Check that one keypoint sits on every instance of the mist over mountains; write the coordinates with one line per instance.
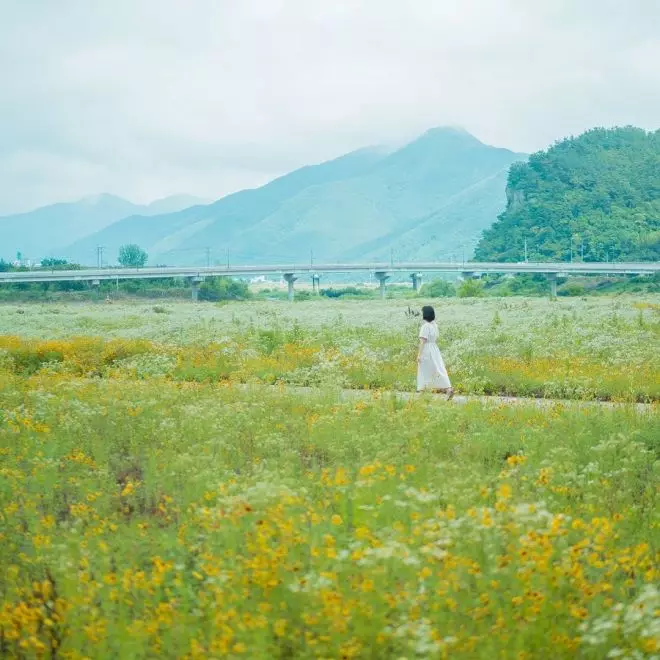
(49, 230)
(429, 199)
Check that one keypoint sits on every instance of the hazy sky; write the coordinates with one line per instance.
(146, 98)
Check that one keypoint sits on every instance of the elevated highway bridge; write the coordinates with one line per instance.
(292, 272)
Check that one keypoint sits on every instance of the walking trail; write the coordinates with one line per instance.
(354, 394)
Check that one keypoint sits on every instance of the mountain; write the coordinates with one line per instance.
(47, 230)
(598, 193)
(173, 203)
(175, 235)
(429, 199)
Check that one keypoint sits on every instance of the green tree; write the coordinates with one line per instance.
(132, 256)
(52, 263)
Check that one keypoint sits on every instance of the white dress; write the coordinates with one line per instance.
(431, 370)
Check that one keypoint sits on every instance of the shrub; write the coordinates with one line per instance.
(471, 289)
(438, 289)
(340, 293)
(572, 289)
(223, 288)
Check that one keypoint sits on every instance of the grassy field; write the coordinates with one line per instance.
(151, 508)
(576, 349)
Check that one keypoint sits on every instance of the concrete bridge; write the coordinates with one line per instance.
(292, 272)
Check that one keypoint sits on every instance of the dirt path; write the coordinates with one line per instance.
(459, 399)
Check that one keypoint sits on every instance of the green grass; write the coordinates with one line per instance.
(149, 507)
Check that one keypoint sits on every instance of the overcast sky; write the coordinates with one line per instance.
(146, 98)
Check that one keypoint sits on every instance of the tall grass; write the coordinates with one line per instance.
(153, 518)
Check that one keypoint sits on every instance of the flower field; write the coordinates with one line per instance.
(150, 507)
(574, 349)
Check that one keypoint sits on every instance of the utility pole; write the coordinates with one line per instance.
(99, 256)
(571, 249)
(525, 250)
(311, 257)
(582, 251)
(227, 258)
(391, 257)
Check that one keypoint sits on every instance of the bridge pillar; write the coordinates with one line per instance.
(416, 281)
(290, 278)
(467, 274)
(553, 284)
(195, 282)
(316, 283)
(96, 287)
(382, 278)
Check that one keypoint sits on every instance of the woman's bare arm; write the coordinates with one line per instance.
(422, 341)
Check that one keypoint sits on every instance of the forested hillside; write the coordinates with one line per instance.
(595, 196)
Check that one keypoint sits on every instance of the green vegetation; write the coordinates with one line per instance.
(471, 288)
(215, 289)
(132, 256)
(52, 263)
(595, 285)
(596, 196)
(84, 291)
(347, 291)
(438, 289)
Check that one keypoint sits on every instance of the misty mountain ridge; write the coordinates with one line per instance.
(429, 199)
(46, 231)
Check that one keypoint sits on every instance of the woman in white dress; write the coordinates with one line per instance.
(431, 370)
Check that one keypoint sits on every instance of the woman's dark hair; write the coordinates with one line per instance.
(428, 313)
